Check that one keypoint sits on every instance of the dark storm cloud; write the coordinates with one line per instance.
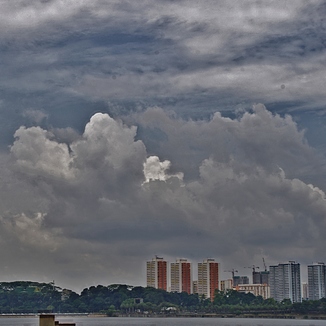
(102, 190)
(116, 52)
(260, 138)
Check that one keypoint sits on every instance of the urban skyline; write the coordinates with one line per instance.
(282, 281)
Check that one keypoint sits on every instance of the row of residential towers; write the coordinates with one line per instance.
(181, 276)
(282, 281)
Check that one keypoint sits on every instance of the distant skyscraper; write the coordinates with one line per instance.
(181, 276)
(157, 273)
(316, 281)
(208, 278)
(264, 277)
(240, 280)
(256, 279)
(260, 277)
(285, 282)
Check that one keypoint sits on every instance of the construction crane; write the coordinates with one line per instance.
(232, 271)
(253, 268)
(264, 264)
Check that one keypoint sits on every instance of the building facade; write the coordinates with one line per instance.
(316, 281)
(156, 273)
(285, 282)
(262, 290)
(208, 278)
(305, 295)
(195, 286)
(226, 285)
(240, 280)
(181, 276)
(260, 277)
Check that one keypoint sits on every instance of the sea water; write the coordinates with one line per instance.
(117, 321)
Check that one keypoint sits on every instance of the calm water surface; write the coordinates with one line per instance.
(89, 321)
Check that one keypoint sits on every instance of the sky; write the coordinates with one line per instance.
(184, 129)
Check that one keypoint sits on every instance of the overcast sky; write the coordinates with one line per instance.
(185, 129)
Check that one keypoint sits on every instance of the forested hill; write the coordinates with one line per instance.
(25, 286)
(117, 299)
(34, 297)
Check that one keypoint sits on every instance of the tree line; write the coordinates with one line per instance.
(118, 299)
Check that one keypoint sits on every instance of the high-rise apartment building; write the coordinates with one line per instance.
(316, 281)
(240, 280)
(285, 281)
(208, 278)
(156, 271)
(256, 277)
(260, 277)
(181, 276)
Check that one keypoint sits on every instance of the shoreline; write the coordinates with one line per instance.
(217, 316)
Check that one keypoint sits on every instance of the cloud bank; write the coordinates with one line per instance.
(96, 208)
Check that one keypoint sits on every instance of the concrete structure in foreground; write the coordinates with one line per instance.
(156, 273)
(285, 282)
(208, 278)
(46, 320)
(316, 281)
(49, 320)
(181, 276)
(262, 290)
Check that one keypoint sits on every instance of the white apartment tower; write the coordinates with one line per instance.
(285, 282)
(208, 278)
(156, 273)
(181, 276)
(316, 281)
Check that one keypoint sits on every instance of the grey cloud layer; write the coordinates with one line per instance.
(104, 199)
(258, 138)
(149, 53)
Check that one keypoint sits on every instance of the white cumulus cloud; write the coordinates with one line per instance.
(154, 169)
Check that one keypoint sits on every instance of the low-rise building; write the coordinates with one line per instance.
(262, 290)
(226, 285)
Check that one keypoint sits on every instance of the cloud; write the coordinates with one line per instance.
(35, 116)
(36, 154)
(83, 52)
(257, 137)
(103, 194)
(29, 232)
(108, 144)
(156, 170)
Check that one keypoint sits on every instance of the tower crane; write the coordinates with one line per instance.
(232, 271)
(264, 264)
(253, 268)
